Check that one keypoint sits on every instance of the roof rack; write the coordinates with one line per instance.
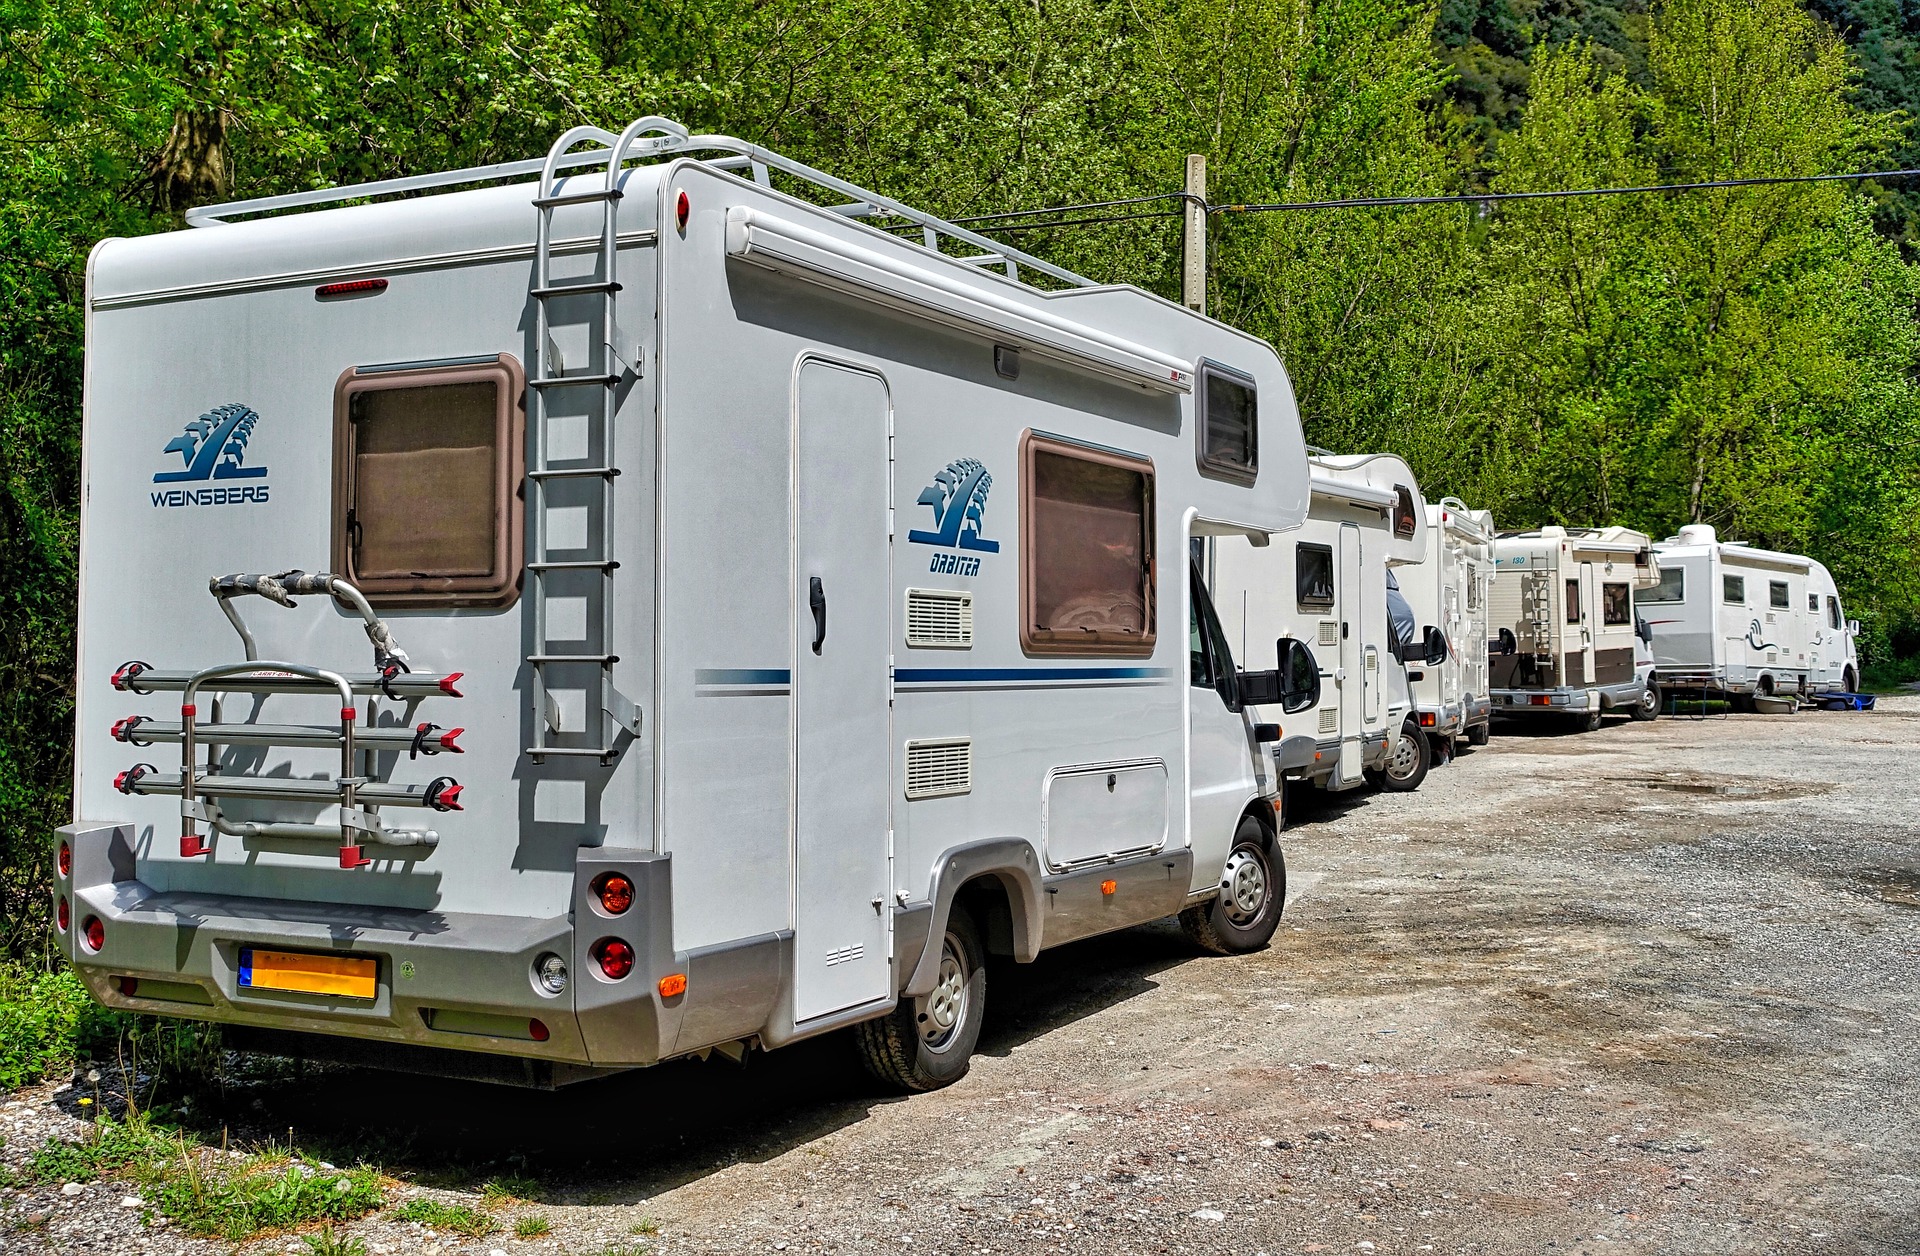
(659, 137)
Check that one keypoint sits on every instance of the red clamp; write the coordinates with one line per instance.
(124, 675)
(446, 684)
(123, 730)
(131, 777)
(443, 794)
(352, 857)
(425, 742)
(192, 846)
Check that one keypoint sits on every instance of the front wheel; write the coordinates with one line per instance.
(927, 1042)
(1407, 766)
(1648, 706)
(1480, 734)
(1253, 893)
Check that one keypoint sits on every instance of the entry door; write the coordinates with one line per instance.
(842, 690)
(1351, 678)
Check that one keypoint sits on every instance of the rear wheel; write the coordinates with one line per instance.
(1648, 708)
(1407, 764)
(1588, 722)
(1253, 893)
(927, 1042)
(1480, 734)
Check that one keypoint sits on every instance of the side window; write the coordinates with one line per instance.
(1777, 597)
(426, 482)
(1313, 575)
(1673, 587)
(1616, 603)
(1228, 423)
(1733, 590)
(1473, 591)
(1813, 603)
(1573, 601)
(1833, 612)
(1086, 554)
(1404, 523)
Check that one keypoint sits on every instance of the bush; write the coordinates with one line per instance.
(48, 1021)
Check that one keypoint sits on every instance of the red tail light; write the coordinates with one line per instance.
(537, 1030)
(129, 986)
(614, 957)
(681, 208)
(1427, 719)
(65, 860)
(615, 892)
(63, 914)
(350, 288)
(94, 932)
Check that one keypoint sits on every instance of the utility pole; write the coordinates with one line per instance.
(1193, 251)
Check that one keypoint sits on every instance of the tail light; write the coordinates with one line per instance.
(1427, 719)
(614, 891)
(681, 208)
(65, 859)
(63, 914)
(94, 932)
(537, 1030)
(614, 957)
(128, 986)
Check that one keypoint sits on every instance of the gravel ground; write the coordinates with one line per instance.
(1645, 989)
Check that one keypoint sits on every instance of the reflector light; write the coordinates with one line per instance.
(129, 986)
(66, 860)
(537, 1030)
(63, 914)
(615, 892)
(614, 957)
(681, 208)
(1108, 887)
(673, 985)
(350, 287)
(94, 932)
(1542, 700)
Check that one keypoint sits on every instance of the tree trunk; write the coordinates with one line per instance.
(192, 168)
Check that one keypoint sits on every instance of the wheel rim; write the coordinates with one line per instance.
(1406, 757)
(944, 1010)
(1243, 886)
(1650, 700)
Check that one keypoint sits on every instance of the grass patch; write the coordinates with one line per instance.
(327, 1243)
(647, 1227)
(453, 1218)
(531, 1226)
(135, 1147)
(504, 1192)
(48, 1022)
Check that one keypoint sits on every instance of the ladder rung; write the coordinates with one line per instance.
(585, 564)
(573, 289)
(578, 198)
(573, 658)
(573, 473)
(574, 381)
(572, 752)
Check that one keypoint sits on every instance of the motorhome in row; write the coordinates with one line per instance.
(1328, 584)
(1451, 588)
(1566, 641)
(810, 609)
(1746, 622)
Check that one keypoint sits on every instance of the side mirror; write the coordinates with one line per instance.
(1507, 643)
(1853, 626)
(1643, 630)
(1433, 644)
(1299, 674)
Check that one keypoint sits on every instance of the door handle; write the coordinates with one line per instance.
(817, 599)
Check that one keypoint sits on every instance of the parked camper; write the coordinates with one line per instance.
(1563, 624)
(1452, 698)
(1746, 622)
(837, 632)
(1327, 584)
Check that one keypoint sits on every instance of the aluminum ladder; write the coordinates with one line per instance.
(611, 718)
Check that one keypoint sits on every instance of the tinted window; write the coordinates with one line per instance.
(1229, 423)
(1813, 603)
(1403, 516)
(1616, 603)
(1573, 601)
(1833, 612)
(1313, 574)
(1087, 569)
(1673, 587)
(1733, 590)
(1777, 595)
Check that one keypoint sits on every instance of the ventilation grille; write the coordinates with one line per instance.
(1329, 632)
(940, 618)
(938, 768)
(1329, 719)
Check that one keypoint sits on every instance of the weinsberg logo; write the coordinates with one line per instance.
(213, 447)
(958, 496)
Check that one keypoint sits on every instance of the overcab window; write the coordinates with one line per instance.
(426, 473)
(1229, 423)
(1087, 562)
(1313, 575)
(1673, 587)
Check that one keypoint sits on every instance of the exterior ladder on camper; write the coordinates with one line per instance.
(609, 714)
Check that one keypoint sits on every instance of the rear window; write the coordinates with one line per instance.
(1777, 596)
(1086, 573)
(1616, 603)
(1313, 574)
(426, 483)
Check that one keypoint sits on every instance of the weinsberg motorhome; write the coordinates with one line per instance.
(1564, 627)
(1327, 584)
(1451, 698)
(808, 612)
(1746, 622)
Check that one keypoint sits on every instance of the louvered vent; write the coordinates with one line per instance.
(938, 768)
(1329, 719)
(940, 618)
(1329, 632)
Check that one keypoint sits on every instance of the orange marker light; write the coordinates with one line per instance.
(1108, 887)
(673, 985)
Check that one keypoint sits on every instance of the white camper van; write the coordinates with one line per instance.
(1733, 619)
(1563, 619)
(771, 616)
(1452, 699)
(1328, 584)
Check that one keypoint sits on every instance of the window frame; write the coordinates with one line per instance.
(501, 587)
(1606, 617)
(1406, 516)
(1300, 597)
(1047, 641)
(1211, 465)
(1779, 596)
(1727, 583)
(1651, 597)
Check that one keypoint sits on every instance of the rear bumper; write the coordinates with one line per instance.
(1544, 701)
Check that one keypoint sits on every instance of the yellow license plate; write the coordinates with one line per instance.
(308, 974)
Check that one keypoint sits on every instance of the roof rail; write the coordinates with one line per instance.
(659, 137)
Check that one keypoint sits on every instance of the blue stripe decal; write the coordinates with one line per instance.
(743, 676)
(989, 675)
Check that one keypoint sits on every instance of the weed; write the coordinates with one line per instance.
(135, 1145)
(453, 1218)
(505, 1191)
(531, 1226)
(327, 1243)
(265, 1194)
(647, 1227)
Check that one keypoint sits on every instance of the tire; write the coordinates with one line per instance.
(1587, 721)
(1253, 893)
(1848, 681)
(1480, 734)
(1648, 708)
(1407, 766)
(928, 1042)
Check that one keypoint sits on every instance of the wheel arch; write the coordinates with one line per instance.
(998, 879)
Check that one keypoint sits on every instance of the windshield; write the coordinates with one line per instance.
(1400, 625)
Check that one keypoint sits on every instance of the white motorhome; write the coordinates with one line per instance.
(1745, 622)
(810, 609)
(1452, 698)
(1564, 626)
(1328, 584)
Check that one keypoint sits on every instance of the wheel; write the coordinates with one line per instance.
(1587, 721)
(1648, 708)
(1480, 734)
(1406, 767)
(1848, 681)
(927, 1042)
(1742, 703)
(1253, 893)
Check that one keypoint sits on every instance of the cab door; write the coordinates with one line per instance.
(1220, 764)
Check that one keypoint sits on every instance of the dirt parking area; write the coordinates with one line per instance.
(1645, 989)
